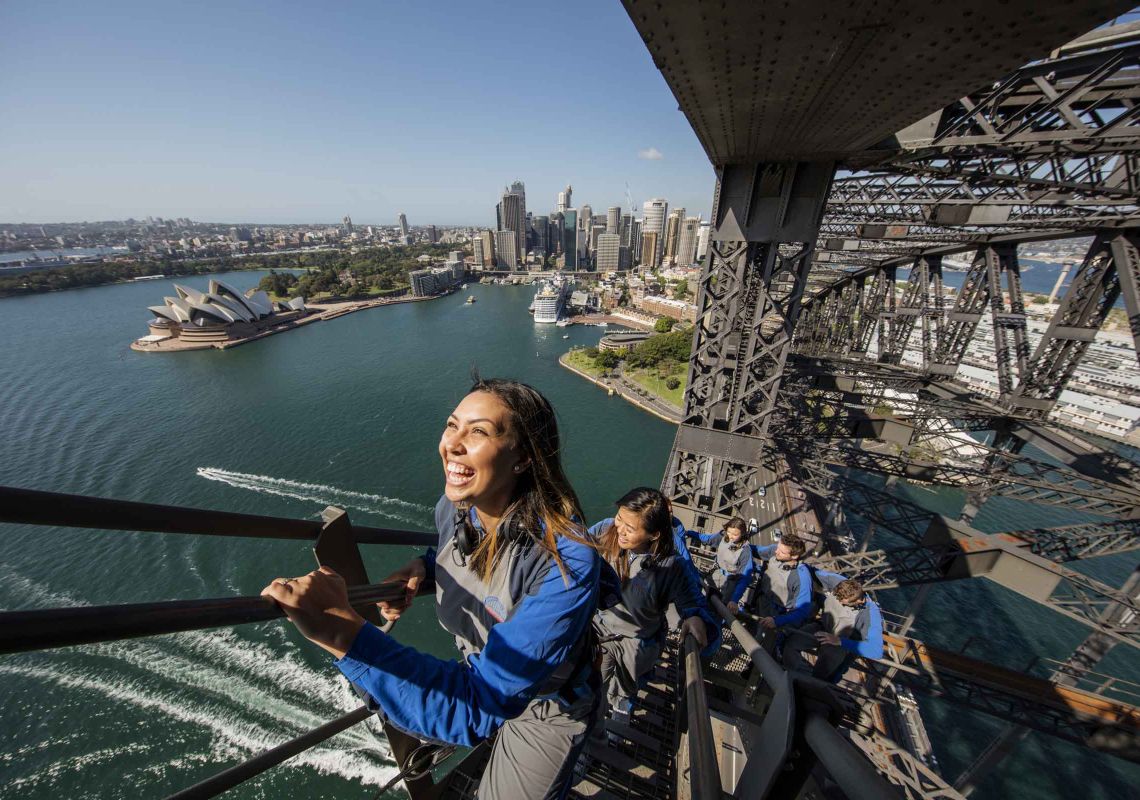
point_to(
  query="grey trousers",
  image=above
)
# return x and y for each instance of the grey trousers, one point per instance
(534, 754)
(828, 657)
(624, 661)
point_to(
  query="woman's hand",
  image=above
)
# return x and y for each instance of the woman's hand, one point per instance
(412, 575)
(317, 604)
(695, 626)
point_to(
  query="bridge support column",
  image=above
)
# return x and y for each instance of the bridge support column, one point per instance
(766, 217)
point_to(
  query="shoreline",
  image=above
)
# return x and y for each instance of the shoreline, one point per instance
(617, 390)
(320, 313)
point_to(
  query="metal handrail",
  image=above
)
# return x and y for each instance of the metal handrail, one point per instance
(33, 507)
(42, 629)
(704, 771)
(228, 779)
(848, 767)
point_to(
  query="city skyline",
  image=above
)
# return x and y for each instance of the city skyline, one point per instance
(276, 119)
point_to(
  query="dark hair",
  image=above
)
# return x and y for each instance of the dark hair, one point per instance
(656, 516)
(740, 525)
(795, 544)
(849, 591)
(543, 496)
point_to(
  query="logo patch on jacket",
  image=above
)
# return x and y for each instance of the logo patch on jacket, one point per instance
(495, 608)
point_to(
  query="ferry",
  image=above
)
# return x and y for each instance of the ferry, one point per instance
(470, 299)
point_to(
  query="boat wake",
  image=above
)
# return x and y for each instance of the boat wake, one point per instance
(393, 507)
(230, 695)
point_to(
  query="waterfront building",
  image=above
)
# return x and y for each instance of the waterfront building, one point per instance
(649, 249)
(484, 247)
(507, 249)
(570, 237)
(218, 314)
(687, 242)
(672, 236)
(430, 282)
(403, 224)
(613, 219)
(654, 212)
(667, 307)
(608, 252)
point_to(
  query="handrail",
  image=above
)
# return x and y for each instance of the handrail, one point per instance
(42, 629)
(229, 778)
(704, 771)
(32, 507)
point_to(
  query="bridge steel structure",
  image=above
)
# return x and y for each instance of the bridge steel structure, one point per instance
(854, 167)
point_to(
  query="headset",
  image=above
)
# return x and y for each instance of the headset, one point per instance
(468, 535)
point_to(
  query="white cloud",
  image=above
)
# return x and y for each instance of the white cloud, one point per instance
(651, 154)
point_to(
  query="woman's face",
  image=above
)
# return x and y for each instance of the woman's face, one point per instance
(479, 453)
(734, 534)
(631, 531)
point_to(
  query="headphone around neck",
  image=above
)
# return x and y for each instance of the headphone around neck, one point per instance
(468, 534)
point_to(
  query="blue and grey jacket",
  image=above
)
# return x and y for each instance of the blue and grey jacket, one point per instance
(789, 589)
(653, 585)
(733, 560)
(524, 635)
(860, 631)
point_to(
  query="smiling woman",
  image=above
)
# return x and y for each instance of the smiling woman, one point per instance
(517, 584)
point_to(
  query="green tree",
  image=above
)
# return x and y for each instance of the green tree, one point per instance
(663, 325)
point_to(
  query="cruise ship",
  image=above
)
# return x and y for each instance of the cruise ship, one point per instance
(550, 300)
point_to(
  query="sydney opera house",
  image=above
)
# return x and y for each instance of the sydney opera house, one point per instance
(211, 318)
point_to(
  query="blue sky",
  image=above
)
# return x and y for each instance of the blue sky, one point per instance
(304, 112)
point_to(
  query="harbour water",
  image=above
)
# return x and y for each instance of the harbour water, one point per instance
(343, 413)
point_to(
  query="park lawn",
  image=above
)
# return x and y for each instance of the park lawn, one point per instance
(580, 361)
(653, 383)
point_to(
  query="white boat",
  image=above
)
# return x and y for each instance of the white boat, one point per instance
(563, 323)
(565, 336)
(550, 300)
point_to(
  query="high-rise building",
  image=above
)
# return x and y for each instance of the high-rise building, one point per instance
(585, 217)
(507, 249)
(403, 224)
(703, 240)
(687, 242)
(432, 234)
(347, 224)
(654, 211)
(570, 237)
(649, 249)
(564, 198)
(540, 231)
(609, 252)
(634, 241)
(487, 239)
(511, 214)
(480, 257)
(625, 229)
(672, 235)
(596, 230)
(613, 219)
(554, 232)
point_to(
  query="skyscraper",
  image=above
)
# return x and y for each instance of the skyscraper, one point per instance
(655, 211)
(507, 248)
(347, 224)
(613, 219)
(540, 227)
(703, 240)
(432, 234)
(609, 251)
(649, 249)
(585, 217)
(672, 235)
(554, 232)
(687, 242)
(564, 198)
(403, 224)
(511, 214)
(480, 257)
(488, 240)
(570, 237)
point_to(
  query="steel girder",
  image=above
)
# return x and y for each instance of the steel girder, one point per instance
(1094, 289)
(1080, 717)
(766, 218)
(900, 767)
